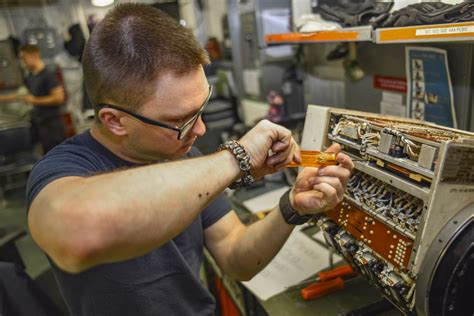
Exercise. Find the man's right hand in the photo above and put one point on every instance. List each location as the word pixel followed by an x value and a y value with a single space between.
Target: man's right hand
pixel 267 136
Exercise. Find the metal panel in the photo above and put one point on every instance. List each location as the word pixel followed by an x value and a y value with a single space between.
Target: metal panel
pixel 234 29
pixel 388 196
pixel 314 136
pixel 10 74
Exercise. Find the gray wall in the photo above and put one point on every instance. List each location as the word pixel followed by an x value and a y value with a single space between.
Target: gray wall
pixel 325 79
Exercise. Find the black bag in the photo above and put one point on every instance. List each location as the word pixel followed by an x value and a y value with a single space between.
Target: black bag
pixel 430 13
pixel 353 12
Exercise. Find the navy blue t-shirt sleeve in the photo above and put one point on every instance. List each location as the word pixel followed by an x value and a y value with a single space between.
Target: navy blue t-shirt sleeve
pixel 58 163
pixel 215 211
pixel 50 81
pixel 217 208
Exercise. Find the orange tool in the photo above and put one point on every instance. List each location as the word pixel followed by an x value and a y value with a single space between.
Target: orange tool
pixel 322 288
pixel 342 271
pixel 314 159
pixel 329 282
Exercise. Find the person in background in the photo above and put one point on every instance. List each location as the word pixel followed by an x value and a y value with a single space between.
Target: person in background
pixel 46 94
pixel 124 209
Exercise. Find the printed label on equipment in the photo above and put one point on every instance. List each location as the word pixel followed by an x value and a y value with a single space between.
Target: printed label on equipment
pixel 459 165
pixel 445 30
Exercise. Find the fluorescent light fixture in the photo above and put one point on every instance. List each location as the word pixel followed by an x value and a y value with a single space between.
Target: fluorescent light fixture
pixel 102 3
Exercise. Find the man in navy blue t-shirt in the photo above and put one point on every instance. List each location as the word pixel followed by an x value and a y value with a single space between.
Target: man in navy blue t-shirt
pixel 122 216
pixel 46 94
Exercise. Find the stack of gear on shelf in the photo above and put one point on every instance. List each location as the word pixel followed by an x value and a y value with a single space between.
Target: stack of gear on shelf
pixel 370 12
pixel 430 13
pixel 353 13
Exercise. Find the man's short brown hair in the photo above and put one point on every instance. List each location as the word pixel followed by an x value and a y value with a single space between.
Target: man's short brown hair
pixel 30 49
pixel 128 51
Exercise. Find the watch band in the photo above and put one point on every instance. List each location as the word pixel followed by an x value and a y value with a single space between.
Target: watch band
pixel 290 215
pixel 243 158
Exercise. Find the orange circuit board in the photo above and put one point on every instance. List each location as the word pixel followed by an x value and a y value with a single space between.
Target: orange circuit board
pixel 386 242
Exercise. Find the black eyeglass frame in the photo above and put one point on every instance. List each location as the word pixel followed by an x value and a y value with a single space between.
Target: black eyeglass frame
pixel 182 131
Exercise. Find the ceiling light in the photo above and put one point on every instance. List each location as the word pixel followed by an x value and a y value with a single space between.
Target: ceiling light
pixel 102 3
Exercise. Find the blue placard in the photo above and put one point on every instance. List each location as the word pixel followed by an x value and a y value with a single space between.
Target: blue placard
pixel 430 93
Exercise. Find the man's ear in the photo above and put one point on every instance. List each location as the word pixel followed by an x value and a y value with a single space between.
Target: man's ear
pixel 113 121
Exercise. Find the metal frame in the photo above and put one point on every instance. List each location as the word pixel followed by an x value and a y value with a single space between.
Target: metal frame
pixel 432 257
pixel 444 202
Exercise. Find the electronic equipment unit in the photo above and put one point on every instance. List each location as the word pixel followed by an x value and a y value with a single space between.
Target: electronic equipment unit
pixel 407 219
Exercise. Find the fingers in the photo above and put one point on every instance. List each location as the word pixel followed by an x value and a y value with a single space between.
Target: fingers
pixel 309 202
pixel 321 198
pixel 336 171
pixel 334 182
pixel 315 192
pixel 306 179
pixel 263 137
pixel 345 161
pixel 330 198
pixel 334 148
pixel 288 154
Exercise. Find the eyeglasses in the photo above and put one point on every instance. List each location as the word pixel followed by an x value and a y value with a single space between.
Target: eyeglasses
pixel 182 131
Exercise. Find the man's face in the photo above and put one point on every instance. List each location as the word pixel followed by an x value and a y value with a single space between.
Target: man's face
pixel 29 60
pixel 176 100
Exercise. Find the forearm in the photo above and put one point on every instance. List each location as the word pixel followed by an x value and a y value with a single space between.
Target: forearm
pixel 258 244
pixel 122 215
pixel 8 98
pixel 49 100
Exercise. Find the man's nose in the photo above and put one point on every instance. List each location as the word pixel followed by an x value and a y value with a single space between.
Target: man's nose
pixel 199 128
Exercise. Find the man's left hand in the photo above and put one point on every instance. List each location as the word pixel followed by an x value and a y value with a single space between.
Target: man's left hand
pixel 320 189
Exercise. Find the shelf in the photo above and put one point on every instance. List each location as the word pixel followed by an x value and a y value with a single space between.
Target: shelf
pixel 451 32
pixel 343 141
pixel 402 162
pixel 405 163
pixel 396 181
pixel 353 34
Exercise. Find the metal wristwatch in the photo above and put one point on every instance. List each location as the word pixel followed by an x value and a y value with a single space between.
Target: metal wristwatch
pixel 290 215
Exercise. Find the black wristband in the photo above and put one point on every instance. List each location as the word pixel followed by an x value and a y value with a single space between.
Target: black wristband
pixel 290 215
pixel 243 158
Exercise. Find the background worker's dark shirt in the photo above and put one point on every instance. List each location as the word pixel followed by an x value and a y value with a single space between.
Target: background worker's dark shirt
pixel 162 282
pixel 40 85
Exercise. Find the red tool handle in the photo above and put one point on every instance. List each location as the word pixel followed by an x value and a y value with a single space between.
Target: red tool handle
pixel 322 288
pixel 342 271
